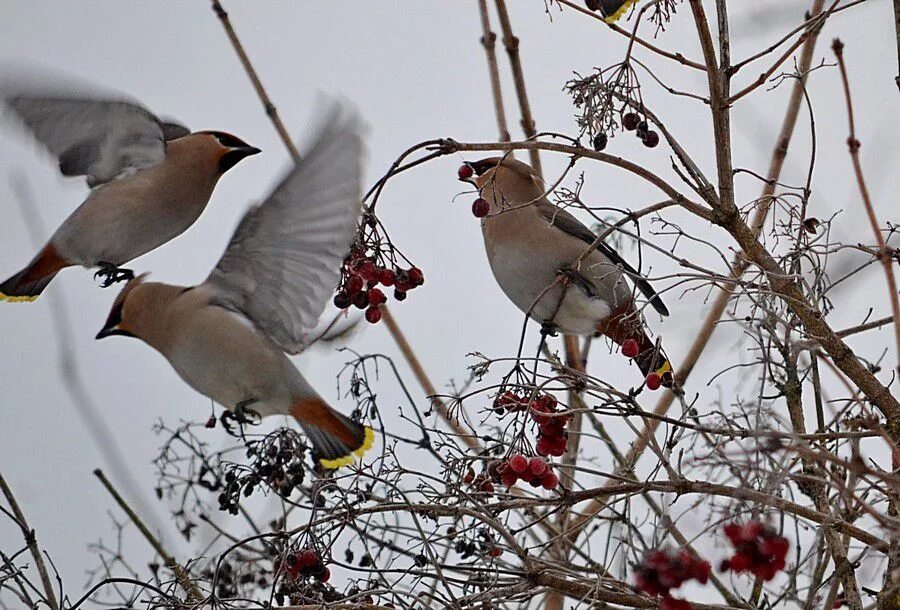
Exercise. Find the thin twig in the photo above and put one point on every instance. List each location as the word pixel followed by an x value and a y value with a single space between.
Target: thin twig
pixel 511 42
pixel 31 541
pixel 184 579
pixel 488 41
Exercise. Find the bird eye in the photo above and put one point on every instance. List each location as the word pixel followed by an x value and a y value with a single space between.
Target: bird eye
pixel 227 140
pixel 482 166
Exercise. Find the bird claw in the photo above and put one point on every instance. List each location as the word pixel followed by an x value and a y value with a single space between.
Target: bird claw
pixel 548 329
pixel 241 416
pixel 111 274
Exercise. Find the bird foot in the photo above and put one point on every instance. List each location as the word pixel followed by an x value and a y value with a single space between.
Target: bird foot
pixel 111 274
pixel 240 417
pixel 548 329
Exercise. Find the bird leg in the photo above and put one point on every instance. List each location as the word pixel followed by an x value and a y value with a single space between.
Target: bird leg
pixel 240 416
pixel 112 274
pixel 547 329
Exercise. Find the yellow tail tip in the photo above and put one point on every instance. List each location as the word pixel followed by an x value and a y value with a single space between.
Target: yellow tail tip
pixel 22 299
pixel 621 11
pixel 346 460
pixel 665 368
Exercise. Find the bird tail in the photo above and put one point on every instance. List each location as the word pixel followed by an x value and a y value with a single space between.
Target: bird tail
pixel 335 437
pixel 30 282
pixel 652 359
pixel 611 10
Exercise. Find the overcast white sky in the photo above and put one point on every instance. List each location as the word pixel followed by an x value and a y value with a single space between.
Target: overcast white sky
pixel 417 71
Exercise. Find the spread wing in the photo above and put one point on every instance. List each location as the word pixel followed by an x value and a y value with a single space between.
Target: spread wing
pixel 98 138
pixel 564 221
pixel 283 262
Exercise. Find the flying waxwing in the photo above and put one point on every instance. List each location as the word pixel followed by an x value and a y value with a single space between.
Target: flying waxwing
pixel 530 242
pixel 227 337
pixel 610 9
pixel 150 181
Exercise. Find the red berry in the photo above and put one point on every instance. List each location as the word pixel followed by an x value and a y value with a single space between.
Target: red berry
pixel 733 532
pixel 537 466
pixel 751 530
pixel 487 487
pixel 373 314
pixel 651 139
pixel 600 141
pixel 518 463
pixel 653 381
pixel 630 121
pixel 465 171
pixel 550 481
pixel 386 277
pixel 469 476
pixel 325 575
pixel 740 562
pixel 399 295
pixel 480 208
pixel 630 348
pixel 367 270
pixel 307 558
pixel 376 297
pixel 495 552
pixel 543 446
pixel 416 277
pixel 354 285
pixel 361 300
pixel 509 478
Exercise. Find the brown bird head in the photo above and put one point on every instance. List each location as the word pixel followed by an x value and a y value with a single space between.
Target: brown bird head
pixel 228 150
pixel 138 309
pixel 503 181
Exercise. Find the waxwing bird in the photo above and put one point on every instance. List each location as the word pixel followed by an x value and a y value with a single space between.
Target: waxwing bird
pixel 535 249
pixel 227 337
pixel 150 181
pixel 611 10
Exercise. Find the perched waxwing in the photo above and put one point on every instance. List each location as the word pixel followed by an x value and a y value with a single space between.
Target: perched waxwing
pixel 610 9
pixel 227 337
pixel 150 180
pixel 534 248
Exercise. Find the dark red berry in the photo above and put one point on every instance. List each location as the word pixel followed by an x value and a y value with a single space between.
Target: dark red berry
pixel 469 476
pixel 537 466
pixel 367 271
pixel 465 171
pixel 550 481
pixel 399 295
pixel 600 141
pixel 630 121
pixel 509 478
pixel 416 277
pixel 651 140
pixel 325 575
pixel 642 129
pixel 354 285
pixel 307 558
pixel 653 381
pixel 386 277
pixel 376 297
pixel 480 208
pixel 630 348
pixel 518 463
pixel 373 314
pixel 342 300
pixel 361 300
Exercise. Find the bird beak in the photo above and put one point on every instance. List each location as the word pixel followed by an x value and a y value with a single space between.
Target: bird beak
pixel 234 155
pixel 109 331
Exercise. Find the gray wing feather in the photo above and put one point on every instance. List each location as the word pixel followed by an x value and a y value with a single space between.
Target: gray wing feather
pixel 567 223
pixel 283 262
pixel 101 139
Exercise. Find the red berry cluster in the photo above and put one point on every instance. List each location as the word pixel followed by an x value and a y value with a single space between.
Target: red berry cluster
pixel 758 550
pixel 631 349
pixel 632 121
pixel 661 571
pixel 553 435
pixel 360 277
pixel 534 470
pixel 306 562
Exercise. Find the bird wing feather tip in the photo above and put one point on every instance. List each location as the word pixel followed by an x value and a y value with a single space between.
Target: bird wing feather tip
pixel 619 12
pixel 336 462
pixel 665 368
